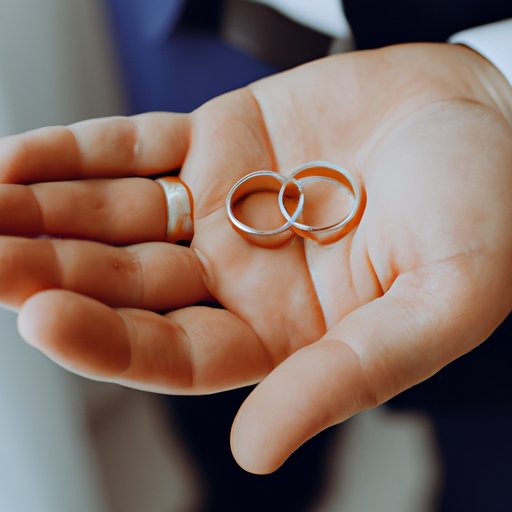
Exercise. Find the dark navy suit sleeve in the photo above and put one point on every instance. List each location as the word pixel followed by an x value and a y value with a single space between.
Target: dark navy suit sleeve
pixel 377 23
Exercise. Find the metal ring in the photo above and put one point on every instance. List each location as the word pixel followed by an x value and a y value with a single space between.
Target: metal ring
pixel 179 202
pixel 322 170
pixel 261 181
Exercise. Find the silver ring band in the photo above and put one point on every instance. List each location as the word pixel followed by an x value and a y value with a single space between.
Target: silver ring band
pixel 326 171
pixel 179 203
pixel 309 172
pixel 261 181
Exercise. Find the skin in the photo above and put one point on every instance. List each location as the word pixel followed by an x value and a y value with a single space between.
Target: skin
pixel 326 331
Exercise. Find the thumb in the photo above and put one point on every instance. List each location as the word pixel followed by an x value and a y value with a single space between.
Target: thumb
pixel 426 319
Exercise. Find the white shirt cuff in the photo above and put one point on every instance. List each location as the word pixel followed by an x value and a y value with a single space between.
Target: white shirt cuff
pixel 493 41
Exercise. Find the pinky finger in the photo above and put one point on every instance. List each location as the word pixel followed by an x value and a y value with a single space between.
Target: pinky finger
pixel 191 350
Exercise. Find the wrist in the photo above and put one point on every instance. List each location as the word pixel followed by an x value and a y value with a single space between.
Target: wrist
pixel 490 79
pixel 442 71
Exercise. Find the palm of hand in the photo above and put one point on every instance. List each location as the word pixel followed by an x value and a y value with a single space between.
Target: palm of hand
pixel 433 217
pixel 401 295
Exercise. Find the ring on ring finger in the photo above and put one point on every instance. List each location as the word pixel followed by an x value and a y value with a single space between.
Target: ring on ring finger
pixel 180 204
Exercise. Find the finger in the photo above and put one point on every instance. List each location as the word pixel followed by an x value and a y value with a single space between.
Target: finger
pixel 111 147
pixel 194 350
pixel 120 211
pixel 157 276
pixel 428 318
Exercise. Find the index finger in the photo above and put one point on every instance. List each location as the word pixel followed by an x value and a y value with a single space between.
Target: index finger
pixel 142 145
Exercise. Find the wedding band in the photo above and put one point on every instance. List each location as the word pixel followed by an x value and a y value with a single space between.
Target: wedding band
pixel 179 202
pixel 264 181
pixel 310 172
pixel 320 170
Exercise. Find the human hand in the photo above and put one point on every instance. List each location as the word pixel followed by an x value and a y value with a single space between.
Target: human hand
pixel 331 330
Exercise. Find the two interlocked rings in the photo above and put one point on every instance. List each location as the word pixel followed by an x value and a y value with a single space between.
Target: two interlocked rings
pixel 290 189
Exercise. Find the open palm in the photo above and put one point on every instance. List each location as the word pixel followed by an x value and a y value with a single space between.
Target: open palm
pixel 331 330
